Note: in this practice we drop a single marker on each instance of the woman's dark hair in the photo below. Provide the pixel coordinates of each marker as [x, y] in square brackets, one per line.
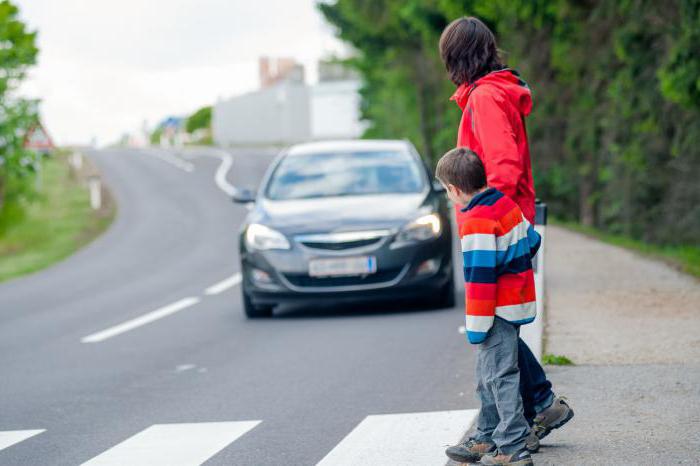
[462, 168]
[468, 49]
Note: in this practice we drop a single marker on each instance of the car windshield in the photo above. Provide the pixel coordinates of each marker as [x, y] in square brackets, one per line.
[345, 174]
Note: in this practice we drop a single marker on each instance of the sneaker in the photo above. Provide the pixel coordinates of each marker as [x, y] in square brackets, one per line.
[532, 442]
[558, 414]
[470, 451]
[519, 458]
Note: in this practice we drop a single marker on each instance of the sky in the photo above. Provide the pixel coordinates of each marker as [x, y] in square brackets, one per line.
[107, 66]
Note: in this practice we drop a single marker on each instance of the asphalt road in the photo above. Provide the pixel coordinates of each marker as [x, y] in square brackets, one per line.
[309, 376]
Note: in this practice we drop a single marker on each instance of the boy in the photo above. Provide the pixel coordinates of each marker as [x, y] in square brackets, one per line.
[498, 244]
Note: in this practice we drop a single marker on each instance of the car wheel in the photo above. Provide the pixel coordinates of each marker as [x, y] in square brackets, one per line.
[252, 311]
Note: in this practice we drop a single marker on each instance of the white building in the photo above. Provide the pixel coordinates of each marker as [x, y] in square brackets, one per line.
[335, 110]
[275, 115]
[288, 111]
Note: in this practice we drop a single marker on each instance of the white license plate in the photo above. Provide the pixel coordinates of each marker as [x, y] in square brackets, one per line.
[342, 266]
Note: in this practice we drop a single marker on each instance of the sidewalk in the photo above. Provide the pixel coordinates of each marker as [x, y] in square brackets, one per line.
[632, 327]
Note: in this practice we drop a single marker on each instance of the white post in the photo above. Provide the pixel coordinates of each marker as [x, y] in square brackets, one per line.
[532, 333]
[76, 160]
[95, 192]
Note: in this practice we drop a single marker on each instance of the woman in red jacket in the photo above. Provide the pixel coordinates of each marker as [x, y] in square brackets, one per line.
[495, 101]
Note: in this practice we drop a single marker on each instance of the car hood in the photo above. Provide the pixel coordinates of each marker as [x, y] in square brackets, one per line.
[344, 213]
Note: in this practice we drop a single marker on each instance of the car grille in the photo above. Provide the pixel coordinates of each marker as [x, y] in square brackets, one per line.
[340, 246]
[306, 281]
[339, 241]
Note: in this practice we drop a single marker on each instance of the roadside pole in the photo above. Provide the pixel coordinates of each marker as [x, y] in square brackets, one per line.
[532, 334]
[76, 160]
[87, 173]
[95, 192]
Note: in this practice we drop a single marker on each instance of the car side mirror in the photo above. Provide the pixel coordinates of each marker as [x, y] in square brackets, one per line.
[438, 187]
[243, 196]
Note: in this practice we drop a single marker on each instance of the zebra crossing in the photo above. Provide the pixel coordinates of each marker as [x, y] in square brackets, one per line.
[10, 437]
[408, 439]
[175, 444]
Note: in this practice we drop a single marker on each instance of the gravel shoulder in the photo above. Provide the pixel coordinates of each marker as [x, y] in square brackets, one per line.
[607, 305]
[632, 326]
[626, 415]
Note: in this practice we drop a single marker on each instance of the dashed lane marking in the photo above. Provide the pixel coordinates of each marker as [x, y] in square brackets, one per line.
[224, 285]
[171, 159]
[140, 321]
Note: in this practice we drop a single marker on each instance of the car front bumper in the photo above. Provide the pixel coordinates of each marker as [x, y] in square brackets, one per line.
[401, 273]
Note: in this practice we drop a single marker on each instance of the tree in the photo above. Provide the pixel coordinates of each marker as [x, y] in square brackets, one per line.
[17, 52]
[404, 91]
[201, 119]
[615, 130]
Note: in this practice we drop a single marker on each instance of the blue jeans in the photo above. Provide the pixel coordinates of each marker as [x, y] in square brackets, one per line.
[501, 418]
[535, 389]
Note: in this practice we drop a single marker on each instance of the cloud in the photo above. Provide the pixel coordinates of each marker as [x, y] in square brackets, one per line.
[105, 66]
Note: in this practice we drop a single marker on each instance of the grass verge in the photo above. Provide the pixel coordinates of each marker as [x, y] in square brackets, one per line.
[684, 258]
[556, 360]
[55, 224]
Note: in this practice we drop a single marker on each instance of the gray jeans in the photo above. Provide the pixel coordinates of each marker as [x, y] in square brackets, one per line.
[501, 419]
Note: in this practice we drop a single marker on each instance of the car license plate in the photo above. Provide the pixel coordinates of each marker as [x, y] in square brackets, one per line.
[342, 266]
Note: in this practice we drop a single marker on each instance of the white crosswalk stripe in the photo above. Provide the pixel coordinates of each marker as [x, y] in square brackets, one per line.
[174, 444]
[407, 439]
[10, 437]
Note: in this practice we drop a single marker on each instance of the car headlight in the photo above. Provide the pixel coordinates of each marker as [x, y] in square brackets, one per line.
[422, 228]
[261, 237]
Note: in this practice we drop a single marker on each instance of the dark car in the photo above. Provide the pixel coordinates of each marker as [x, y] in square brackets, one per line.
[346, 221]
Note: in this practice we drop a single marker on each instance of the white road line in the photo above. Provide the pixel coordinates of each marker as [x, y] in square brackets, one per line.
[173, 444]
[406, 439]
[462, 329]
[171, 159]
[222, 170]
[224, 285]
[10, 437]
[139, 321]
[220, 178]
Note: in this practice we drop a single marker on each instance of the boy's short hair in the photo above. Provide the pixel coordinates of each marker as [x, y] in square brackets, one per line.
[468, 49]
[462, 168]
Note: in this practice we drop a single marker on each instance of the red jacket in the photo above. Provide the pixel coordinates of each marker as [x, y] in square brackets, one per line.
[493, 125]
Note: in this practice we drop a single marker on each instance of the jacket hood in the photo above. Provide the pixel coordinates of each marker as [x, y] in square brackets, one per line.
[506, 80]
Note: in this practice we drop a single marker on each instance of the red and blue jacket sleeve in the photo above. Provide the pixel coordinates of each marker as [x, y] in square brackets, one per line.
[496, 135]
[534, 240]
[479, 251]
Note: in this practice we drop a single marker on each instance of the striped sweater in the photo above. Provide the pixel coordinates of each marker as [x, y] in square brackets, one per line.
[498, 244]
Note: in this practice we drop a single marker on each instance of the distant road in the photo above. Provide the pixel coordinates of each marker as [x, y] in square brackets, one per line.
[135, 350]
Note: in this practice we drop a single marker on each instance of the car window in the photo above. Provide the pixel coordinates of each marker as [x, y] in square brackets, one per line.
[345, 174]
